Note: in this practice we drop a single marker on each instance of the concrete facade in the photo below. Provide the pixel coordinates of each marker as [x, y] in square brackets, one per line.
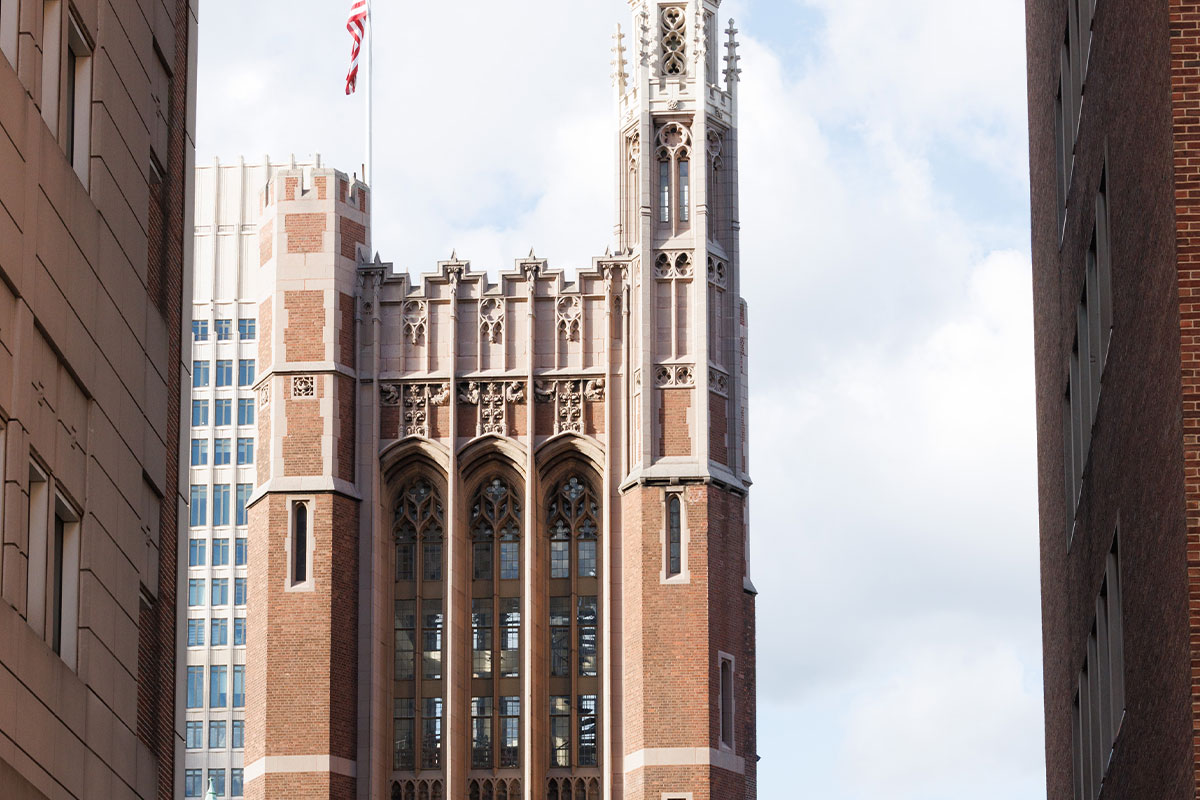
[96, 148]
[1112, 108]
[498, 545]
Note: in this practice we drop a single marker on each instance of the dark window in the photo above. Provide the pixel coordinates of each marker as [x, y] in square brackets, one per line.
[300, 543]
[481, 635]
[560, 637]
[560, 731]
[727, 702]
[587, 730]
[481, 732]
[510, 731]
[403, 741]
[587, 636]
[675, 540]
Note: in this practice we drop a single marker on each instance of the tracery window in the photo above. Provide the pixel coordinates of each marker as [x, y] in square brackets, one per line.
[674, 40]
[495, 529]
[674, 176]
[573, 520]
[419, 620]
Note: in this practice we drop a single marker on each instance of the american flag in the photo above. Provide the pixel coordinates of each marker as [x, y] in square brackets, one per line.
[357, 26]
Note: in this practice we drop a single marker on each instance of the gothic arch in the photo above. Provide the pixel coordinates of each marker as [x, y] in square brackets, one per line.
[568, 446]
[401, 458]
[486, 452]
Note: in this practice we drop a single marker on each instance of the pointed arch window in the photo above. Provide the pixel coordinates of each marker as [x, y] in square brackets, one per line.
[674, 176]
[495, 529]
[573, 519]
[419, 524]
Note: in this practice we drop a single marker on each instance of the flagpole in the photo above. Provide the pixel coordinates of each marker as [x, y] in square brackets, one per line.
[369, 168]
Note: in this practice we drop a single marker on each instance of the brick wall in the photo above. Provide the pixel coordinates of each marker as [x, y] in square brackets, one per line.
[347, 417]
[305, 428]
[353, 233]
[266, 242]
[674, 409]
[304, 339]
[305, 232]
[266, 337]
[718, 438]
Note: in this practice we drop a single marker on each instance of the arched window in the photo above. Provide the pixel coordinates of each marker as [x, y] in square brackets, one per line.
[495, 529]
[674, 537]
[419, 531]
[674, 176]
[573, 527]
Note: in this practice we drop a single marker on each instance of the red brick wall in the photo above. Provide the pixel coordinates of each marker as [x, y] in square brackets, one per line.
[305, 232]
[290, 187]
[347, 416]
[389, 422]
[321, 183]
[593, 417]
[346, 333]
[353, 233]
[262, 451]
[266, 242]
[518, 414]
[467, 420]
[305, 425]
[440, 416]
[675, 438]
[303, 340]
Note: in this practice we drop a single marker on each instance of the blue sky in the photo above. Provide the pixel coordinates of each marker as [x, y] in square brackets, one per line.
[886, 264]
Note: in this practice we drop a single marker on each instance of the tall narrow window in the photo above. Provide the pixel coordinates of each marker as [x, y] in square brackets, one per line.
[560, 637]
[63, 581]
[39, 538]
[403, 740]
[587, 637]
[674, 536]
[727, 702]
[481, 635]
[510, 731]
[685, 195]
[244, 491]
[481, 732]
[560, 731]
[510, 641]
[218, 681]
[221, 503]
[299, 543]
[431, 638]
[56, 586]
[51, 62]
[587, 730]
[431, 733]
[664, 191]
[78, 104]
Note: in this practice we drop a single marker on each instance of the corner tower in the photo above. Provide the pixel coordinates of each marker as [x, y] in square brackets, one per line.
[688, 671]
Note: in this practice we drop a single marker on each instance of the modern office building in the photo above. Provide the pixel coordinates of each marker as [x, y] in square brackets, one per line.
[221, 445]
[97, 115]
[498, 543]
[1114, 108]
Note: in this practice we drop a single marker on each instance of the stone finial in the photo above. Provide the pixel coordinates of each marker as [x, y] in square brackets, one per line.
[620, 75]
[731, 56]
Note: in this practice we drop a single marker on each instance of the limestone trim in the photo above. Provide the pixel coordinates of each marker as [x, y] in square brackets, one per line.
[492, 399]
[416, 399]
[293, 764]
[568, 397]
[683, 757]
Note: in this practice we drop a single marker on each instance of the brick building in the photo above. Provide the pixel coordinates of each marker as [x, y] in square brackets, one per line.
[1114, 101]
[96, 127]
[498, 541]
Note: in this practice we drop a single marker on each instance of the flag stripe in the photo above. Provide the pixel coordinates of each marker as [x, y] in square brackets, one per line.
[356, 24]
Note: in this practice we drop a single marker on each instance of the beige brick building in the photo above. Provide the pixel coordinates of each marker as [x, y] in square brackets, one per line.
[498, 546]
[96, 131]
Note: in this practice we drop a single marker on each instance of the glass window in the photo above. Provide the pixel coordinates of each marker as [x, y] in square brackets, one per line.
[560, 731]
[587, 559]
[299, 543]
[237, 734]
[199, 413]
[684, 193]
[406, 644]
[675, 537]
[246, 372]
[587, 730]
[195, 633]
[239, 591]
[224, 328]
[224, 413]
[199, 374]
[510, 561]
[220, 591]
[245, 451]
[241, 547]
[482, 561]
[221, 452]
[239, 686]
[403, 718]
[220, 632]
[224, 372]
[587, 636]
[195, 687]
[235, 782]
[510, 637]
[406, 561]
[239, 631]
[431, 642]
[195, 735]
[664, 191]
[481, 732]
[220, 505]
[216, 779]
[431, 733]
[218, 681]
[199, 452]
[510, 731]
[199, 506]
[246, 411]
[560, 637]
[216, 735]
[199, 330]
[431, 555]
[481, 637]
[192, 779]
[244, 491]
[195, 592]
[220, 552]
[560, 559]
[246, 329]
[196, 552]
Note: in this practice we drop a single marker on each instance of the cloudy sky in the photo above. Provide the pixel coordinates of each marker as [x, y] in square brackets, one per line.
[886, 259]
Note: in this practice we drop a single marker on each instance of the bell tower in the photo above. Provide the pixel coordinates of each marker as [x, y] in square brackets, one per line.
[689, 673]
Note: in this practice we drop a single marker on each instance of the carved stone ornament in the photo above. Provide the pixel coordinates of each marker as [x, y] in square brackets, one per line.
[718, 382]
[718, 273]
[304, 386]
[417, 398]
[674, 376]
[673, 265]
[674, 141]
[264, 396]
[415, 318]
[568, 397]
[492, 399]
[569, 313]
[491, 319]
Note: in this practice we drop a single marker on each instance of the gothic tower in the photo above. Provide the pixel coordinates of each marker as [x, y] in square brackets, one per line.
[499, 549]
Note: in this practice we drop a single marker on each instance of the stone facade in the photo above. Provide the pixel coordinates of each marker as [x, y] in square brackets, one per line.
[96, 128]
[499, 545]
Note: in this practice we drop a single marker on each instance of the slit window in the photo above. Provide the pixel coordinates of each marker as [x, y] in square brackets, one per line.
[727, 702]
[299, 543]
[674, 536]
